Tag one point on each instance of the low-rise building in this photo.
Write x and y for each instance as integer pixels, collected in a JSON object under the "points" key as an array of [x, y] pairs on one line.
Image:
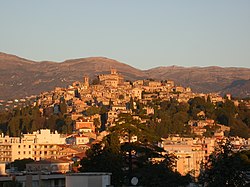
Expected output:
{"points": [[50, 166]]}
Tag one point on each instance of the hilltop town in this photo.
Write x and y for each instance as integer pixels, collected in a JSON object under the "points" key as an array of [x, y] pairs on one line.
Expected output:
{"points": [[58, 127]]}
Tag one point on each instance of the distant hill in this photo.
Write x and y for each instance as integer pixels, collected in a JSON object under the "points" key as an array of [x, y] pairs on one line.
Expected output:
{"points": [[207, 79], [21, 77]]}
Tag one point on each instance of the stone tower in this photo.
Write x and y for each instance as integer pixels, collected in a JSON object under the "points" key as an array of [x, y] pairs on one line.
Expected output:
{"points": [[86, 81]]}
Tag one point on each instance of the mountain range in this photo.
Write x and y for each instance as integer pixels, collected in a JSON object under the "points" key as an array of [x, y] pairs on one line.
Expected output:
{"points": [[20, 77]]}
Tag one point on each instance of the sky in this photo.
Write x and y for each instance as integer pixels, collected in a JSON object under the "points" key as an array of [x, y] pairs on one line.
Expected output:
{"points": [[142, 33]]}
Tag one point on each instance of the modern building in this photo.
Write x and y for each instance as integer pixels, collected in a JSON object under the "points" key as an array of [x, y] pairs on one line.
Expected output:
{"points": [[41, 144]]}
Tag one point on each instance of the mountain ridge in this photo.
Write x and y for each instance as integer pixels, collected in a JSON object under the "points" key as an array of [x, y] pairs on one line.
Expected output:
{"points": [[20, 77]]}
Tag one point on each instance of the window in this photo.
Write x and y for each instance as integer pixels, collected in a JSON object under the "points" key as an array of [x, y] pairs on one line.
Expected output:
{"points": [[19, 146], [24, 152], [56, 182], [29, 146]]}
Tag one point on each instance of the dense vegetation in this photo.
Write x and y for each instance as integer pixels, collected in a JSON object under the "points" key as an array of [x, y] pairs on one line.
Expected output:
{"points": [[226, 168], [29, 119], [170, 117]]}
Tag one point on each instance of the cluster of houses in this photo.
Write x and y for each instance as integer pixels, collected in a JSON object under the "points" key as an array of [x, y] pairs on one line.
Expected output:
{"points": [[55, 152], [113, 88]]}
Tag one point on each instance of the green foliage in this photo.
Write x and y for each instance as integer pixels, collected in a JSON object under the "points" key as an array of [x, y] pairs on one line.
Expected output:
{"points": [[103, 110], [226, 168], [244, 114], [170, 117], [21, 164], [30, 119], [160, 175], [228, 114], [173, 117], [68, 125], [14, 127], [97, 124], [239, 128], [103, 159], [51, 122], [225, 112], [92, 111], [210, 130], [199, 104], [131, 103], [132, 158]]}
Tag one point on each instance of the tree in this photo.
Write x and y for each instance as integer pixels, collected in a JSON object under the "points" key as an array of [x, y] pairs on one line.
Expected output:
{"points": [[38, 122], [5, 116], [92, 111], [160, 175], [226, 168], [97, 124], [131, 103], [137, 154], [197, 104], [239, 128], [95, 81], [51, 122], [14, 126], [63, 106], [129, 157], [21, 164], [104, 158], [68, 126], [104, 117]]}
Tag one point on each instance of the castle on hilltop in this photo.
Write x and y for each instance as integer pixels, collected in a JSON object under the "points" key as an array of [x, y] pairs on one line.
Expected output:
{"points": [[113, 79]]}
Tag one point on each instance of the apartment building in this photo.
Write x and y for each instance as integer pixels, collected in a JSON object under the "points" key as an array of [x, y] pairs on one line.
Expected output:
{"points": [[38, 145], [190, 153]]}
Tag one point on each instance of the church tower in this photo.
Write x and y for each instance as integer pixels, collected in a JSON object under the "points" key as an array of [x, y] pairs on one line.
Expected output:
{"points": [[86, 81]]}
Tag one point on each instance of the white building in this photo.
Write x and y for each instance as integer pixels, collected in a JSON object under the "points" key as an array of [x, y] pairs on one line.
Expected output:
{"points": [[38, 145]]}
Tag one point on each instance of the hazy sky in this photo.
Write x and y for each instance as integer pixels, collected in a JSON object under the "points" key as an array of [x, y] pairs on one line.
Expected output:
{"points": [[141, 33]]}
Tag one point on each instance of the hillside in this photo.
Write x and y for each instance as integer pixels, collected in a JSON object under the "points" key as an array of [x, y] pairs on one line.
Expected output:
{"points": [[21, 77], [207, 79]]}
